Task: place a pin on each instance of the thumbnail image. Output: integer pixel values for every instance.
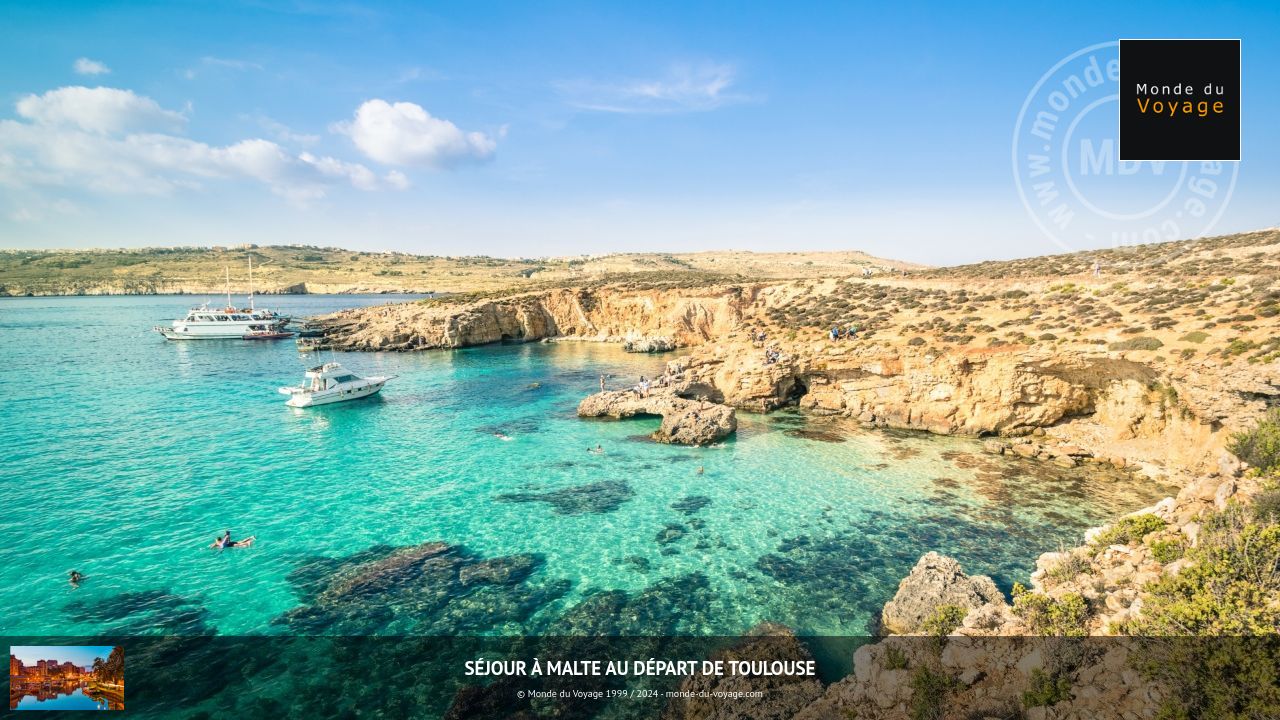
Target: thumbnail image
(70, 677)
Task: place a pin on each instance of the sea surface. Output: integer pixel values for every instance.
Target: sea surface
(125, 455)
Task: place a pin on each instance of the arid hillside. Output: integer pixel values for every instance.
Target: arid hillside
(301, 269)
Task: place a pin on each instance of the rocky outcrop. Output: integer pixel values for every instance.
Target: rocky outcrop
(649, 345)
(684, 421)
(1080, 406)
(936, 580)
(670, 317)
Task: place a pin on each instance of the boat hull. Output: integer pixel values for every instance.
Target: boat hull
(328, 397)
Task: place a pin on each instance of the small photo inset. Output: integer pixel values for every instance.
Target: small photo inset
(66, 677)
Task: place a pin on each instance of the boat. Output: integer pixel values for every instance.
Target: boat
(265, 334)
(331, 383)
(206, 323)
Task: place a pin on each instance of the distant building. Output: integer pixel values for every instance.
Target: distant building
(15, 666)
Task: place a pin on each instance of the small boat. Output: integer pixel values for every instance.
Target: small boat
(331, 383)
(307, 332)
(267, 335)
(309, 344)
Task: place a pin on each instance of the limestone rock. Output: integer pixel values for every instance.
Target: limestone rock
(684, 421)
(936, 580)
(649, 345)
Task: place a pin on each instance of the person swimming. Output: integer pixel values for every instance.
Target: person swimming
(225, 542)
(597, 450)
(75, 577)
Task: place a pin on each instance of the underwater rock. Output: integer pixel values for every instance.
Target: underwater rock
(671, 533)
(936, 580)
(596, 498)
(691, 504)
(500, 570)
(432, 588)
(146, 612)
(819, 435)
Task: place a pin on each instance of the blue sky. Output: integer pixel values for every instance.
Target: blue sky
(523, 129)
(81, 655)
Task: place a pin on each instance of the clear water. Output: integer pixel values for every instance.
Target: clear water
(124, 455)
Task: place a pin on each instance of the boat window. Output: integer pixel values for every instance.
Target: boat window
(345, 378)
(223, 318)
(241, 317)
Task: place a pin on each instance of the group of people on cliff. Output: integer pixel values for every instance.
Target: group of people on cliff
(849, 333)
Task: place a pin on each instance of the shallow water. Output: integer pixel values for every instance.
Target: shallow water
(126, 455)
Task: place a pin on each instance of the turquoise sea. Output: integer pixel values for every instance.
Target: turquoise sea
(125, 455)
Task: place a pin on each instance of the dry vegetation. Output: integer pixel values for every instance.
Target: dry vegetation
(1213, 298)
(290, 268)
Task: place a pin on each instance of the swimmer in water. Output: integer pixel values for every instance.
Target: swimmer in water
(501, 436)
(75, 577)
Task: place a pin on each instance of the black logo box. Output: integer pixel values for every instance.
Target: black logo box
(1186, 68)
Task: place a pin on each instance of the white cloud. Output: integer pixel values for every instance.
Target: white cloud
(106, 140)
(684, 88)
(99, 110)
(405, 134)
(85, 66)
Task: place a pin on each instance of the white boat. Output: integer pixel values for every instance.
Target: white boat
(331, 383)
(205, 323)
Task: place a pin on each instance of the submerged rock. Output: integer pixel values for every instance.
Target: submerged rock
(936, 580)
(596, 498)
(690, 505)
(432, 588)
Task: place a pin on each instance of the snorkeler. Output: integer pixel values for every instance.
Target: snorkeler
(75, 577)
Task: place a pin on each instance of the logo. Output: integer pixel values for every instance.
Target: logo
(1071, 180)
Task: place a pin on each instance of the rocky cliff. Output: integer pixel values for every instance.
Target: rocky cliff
(681, 316)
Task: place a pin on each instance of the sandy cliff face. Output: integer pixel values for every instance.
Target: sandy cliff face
(1099, 404)
(609, 314)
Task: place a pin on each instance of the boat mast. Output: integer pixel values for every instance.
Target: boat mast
(228, 269)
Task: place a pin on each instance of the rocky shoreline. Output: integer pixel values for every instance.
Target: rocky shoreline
(1109, 398)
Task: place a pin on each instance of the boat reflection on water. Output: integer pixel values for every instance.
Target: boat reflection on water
(61, 695)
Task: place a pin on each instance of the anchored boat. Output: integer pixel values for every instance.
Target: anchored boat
(331, 383)
(205, 323)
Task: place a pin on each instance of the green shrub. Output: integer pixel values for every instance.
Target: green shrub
(1195, 336)
(1166, 551)
(894, 659)
(1129, 530)
(1138, 343)
(944, 620)
(1260, 447)
(1068, 568)
(1227, 592)
(929, 691)
(1065, 616)
(1045, 689)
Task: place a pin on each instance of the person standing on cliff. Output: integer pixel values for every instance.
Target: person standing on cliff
(602, 383)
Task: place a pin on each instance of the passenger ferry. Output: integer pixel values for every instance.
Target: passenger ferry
(205, 323)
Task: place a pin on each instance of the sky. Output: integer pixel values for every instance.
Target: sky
(540, 129)
(80, 655)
